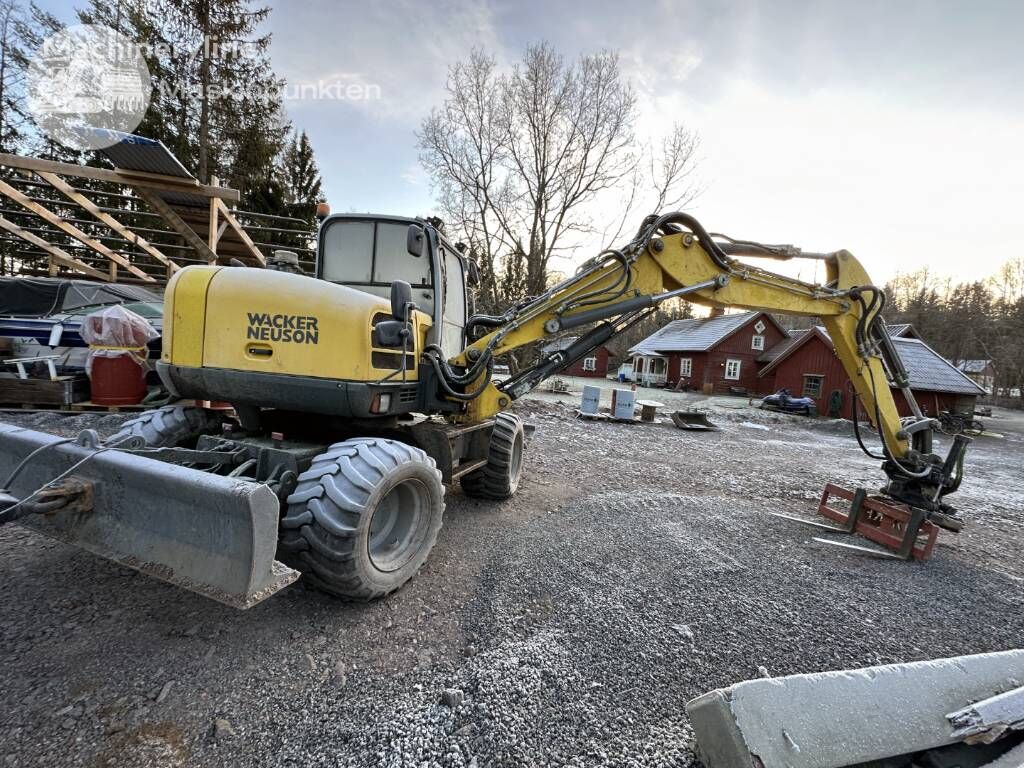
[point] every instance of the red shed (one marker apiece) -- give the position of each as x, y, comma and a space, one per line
594, 365
806, 364
714, 354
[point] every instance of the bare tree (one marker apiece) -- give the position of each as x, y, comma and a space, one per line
520, 158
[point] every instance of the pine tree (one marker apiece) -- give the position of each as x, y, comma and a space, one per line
22, 31
238, 124
301, 177
12, 77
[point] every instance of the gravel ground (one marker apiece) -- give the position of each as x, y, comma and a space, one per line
636, 568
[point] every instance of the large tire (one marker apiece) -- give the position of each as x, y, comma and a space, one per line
499, 477
169, 427
348, 505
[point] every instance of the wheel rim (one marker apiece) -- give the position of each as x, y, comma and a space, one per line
516, 464
395, 526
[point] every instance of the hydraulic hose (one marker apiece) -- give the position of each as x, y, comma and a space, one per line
463, 396
678, 217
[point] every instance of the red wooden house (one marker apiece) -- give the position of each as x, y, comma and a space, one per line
806, 364
711, 354
594, 365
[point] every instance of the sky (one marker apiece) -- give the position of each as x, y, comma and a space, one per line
892, 129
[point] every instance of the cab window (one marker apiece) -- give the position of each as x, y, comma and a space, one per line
371, 255
348, 252
394, 262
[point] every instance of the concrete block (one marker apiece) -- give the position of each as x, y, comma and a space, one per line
833, 719
591, 400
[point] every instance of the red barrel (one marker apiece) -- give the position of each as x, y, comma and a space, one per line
117, 380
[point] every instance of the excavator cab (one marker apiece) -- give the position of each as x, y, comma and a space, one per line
369, 253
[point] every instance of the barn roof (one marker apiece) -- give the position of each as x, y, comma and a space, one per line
697, 334
783, 347
930, 371
971, 366
927, 369
786, 347
902, 331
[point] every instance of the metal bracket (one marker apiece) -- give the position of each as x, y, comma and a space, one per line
72, 494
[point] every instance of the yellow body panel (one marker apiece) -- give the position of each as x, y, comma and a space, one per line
185, 316
276, 322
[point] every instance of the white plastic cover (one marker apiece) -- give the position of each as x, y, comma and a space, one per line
115, 331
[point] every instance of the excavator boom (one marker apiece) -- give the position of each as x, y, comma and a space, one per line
673, 256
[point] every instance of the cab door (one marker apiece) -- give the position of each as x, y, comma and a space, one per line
453, 323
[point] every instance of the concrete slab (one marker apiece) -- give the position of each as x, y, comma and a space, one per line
833, 719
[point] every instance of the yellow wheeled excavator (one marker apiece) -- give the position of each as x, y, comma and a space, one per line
356, 394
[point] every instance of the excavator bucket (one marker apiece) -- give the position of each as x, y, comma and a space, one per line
209, 534
693, 420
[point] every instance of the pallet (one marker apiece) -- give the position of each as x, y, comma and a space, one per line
62, 392
82, 407
903, 531
89, 405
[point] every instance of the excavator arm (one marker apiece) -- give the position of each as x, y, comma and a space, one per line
671, 256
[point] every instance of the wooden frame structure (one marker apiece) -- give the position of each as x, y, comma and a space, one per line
124, 225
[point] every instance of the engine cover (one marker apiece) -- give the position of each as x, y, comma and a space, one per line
266, 337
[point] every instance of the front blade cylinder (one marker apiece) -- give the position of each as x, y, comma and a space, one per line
209, 534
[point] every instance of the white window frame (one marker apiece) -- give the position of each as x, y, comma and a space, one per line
757, 342
589, 363
735, 375
821, 384
686, 366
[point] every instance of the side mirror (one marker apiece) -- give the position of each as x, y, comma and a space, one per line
414, 240
401, 298
472, 272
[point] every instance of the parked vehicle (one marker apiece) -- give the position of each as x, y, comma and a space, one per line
952, 423
784, 401
44, 315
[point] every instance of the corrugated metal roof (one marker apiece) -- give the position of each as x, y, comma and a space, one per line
137, 153
931, 372
899, 329
694, 335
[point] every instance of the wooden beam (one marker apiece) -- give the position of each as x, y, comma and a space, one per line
49, 216
178, 225
134, 179
58, 256
213, 235
106, 218
242, 234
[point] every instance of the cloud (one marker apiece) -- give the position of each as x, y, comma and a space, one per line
401, 48
890, 130
901, 184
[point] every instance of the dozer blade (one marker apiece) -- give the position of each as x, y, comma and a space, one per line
209, 534
693, 420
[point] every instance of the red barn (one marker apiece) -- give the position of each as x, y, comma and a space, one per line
806, 364
712, 354
594, 365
